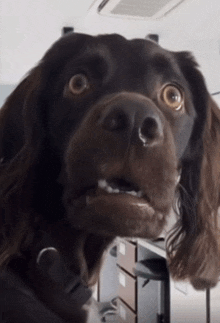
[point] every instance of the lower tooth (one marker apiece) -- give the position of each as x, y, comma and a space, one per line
109, 189
102, 183
132, 193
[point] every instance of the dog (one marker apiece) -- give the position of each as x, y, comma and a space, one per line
102, 139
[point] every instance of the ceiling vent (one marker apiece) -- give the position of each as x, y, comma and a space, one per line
143, 9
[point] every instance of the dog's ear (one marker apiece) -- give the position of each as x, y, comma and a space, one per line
21, 135
193, 245
23, 142
207, 245
19, 117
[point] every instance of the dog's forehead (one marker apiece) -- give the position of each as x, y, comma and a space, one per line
115, 45
142, 53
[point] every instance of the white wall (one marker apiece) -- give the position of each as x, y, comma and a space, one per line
5, 90
28, 28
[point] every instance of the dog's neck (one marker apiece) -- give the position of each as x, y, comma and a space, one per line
81, 251
63, 265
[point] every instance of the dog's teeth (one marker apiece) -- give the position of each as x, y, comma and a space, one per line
131, 193
134, 193
109, 189
102, 183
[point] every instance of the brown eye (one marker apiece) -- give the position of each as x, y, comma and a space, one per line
172, 97
78, 84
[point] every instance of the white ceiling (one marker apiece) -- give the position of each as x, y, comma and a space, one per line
29, 27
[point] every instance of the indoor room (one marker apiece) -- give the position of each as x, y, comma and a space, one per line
109, 161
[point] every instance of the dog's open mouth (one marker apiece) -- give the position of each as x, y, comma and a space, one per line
115, 189
122, 194
119, 185
116, 206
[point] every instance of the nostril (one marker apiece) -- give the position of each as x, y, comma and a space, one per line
150, 130
115, 120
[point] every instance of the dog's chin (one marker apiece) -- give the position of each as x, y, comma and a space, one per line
123, 214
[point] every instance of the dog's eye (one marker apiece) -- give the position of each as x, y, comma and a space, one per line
78, 84
172, 97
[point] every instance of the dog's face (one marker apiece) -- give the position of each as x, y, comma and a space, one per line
122, 117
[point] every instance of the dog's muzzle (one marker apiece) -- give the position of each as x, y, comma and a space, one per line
122, 168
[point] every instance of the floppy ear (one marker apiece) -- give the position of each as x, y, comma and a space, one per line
23, 122
193, 246
21, 135
207, 244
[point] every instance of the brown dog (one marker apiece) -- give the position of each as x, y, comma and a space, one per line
93, 143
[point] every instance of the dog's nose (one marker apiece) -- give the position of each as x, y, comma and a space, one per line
139, 121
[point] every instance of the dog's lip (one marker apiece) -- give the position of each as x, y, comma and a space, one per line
133, 196
120, 198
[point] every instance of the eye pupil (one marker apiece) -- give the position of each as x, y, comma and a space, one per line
78, 82
173, 96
